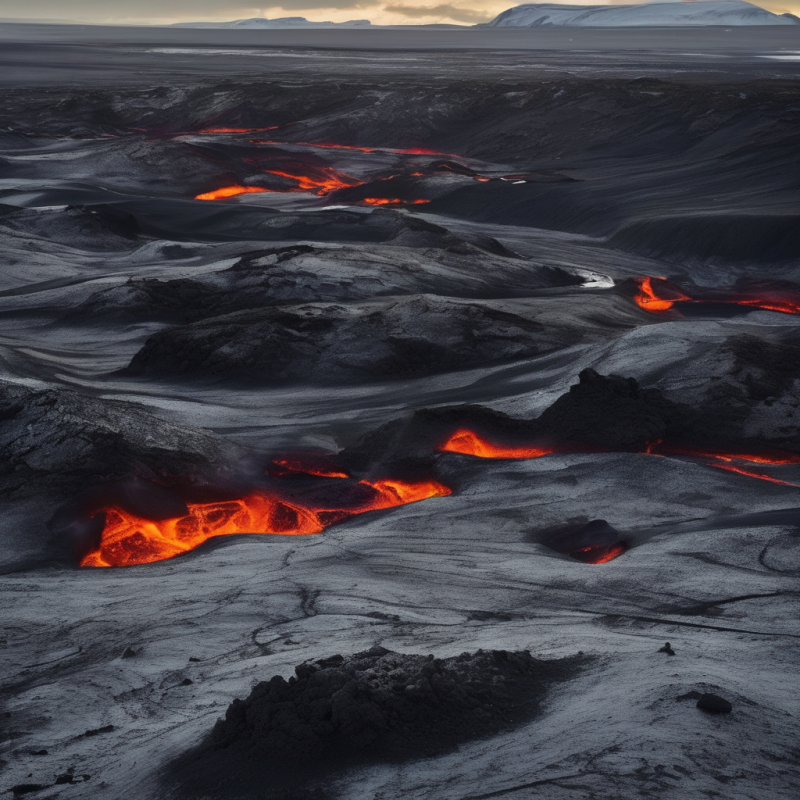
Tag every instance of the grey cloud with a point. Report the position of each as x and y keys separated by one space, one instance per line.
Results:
x=442 y=10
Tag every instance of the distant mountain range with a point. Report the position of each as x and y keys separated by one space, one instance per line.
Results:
x=656 y=15
x=271 y=24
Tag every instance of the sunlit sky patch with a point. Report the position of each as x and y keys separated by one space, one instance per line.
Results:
x=380 y=12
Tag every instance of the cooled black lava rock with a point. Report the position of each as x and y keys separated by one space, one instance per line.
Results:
x=612 y=413
x=338 y=342
x=714 y=704
x=64 y=441
x=386 y=705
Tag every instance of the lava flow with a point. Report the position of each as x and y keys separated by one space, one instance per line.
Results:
x=229 y=191
x=727 y=461
x=127 y=539
x=238 y=130
x=658 y=295
x=469 y=443
x=391 y=201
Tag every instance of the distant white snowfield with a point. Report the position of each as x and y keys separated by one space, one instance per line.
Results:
x=670 y=14
x=282 y=22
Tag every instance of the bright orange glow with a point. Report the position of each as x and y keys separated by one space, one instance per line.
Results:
x=317 y=180
x=238 y=130
x=229 y=191
x=775 y=457
x=128 y=540
x=390 y=201
x=657 y=295
x=723 y=460
x=599 y=553
x=469 y=443
x=751 y=474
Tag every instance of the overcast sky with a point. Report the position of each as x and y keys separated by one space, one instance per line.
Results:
x=379 y=11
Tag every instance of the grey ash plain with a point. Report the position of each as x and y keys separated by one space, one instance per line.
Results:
x=153 y=345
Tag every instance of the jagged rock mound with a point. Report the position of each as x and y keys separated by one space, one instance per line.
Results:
x=612 y=413
x=384 y=704
x=64 y=440
x=333 y=343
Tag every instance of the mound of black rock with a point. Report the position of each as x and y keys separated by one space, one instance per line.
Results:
x=386 y=705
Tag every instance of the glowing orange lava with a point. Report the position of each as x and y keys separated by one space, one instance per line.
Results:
x=599 y=553
x=469 y=443
x=239 y=130
x=391 y=201
x=229 y=191
x=658 y=295
x=774 y=457
x=316 y=180
x=726 y=461
x=127 y=539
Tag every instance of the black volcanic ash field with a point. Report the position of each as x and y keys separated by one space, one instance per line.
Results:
x=399 y=258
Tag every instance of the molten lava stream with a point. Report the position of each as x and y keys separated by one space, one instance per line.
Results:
x=229 y=191
x=723 y=460
x=127 y=539
x=316 y=180
x=391 y=201
x=657 y=295
x=238 y=130
x=469 y=443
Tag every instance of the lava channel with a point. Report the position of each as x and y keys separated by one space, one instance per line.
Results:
x=128 y=539
x=658 y=296
x=229 y=191
x=728 y=461
x=470 y=443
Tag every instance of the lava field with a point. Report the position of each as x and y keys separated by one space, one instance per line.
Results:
x=368 y=424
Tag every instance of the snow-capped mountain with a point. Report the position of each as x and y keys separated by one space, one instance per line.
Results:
x=689 y=12
x=282 y=22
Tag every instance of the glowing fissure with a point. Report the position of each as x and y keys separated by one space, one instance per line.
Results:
x=238 y=130
x=658 y=296
x=127 y=539
x=391 y=201
x=229 y=191
x=469 y=443
x=599 y=553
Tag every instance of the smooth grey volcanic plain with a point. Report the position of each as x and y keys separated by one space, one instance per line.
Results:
x=463 y=251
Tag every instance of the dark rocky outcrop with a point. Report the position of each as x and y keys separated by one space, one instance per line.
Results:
x=389 y=704
x=67 y=442
x=335 y=343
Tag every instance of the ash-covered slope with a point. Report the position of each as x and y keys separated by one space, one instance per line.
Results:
x=670 y=14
